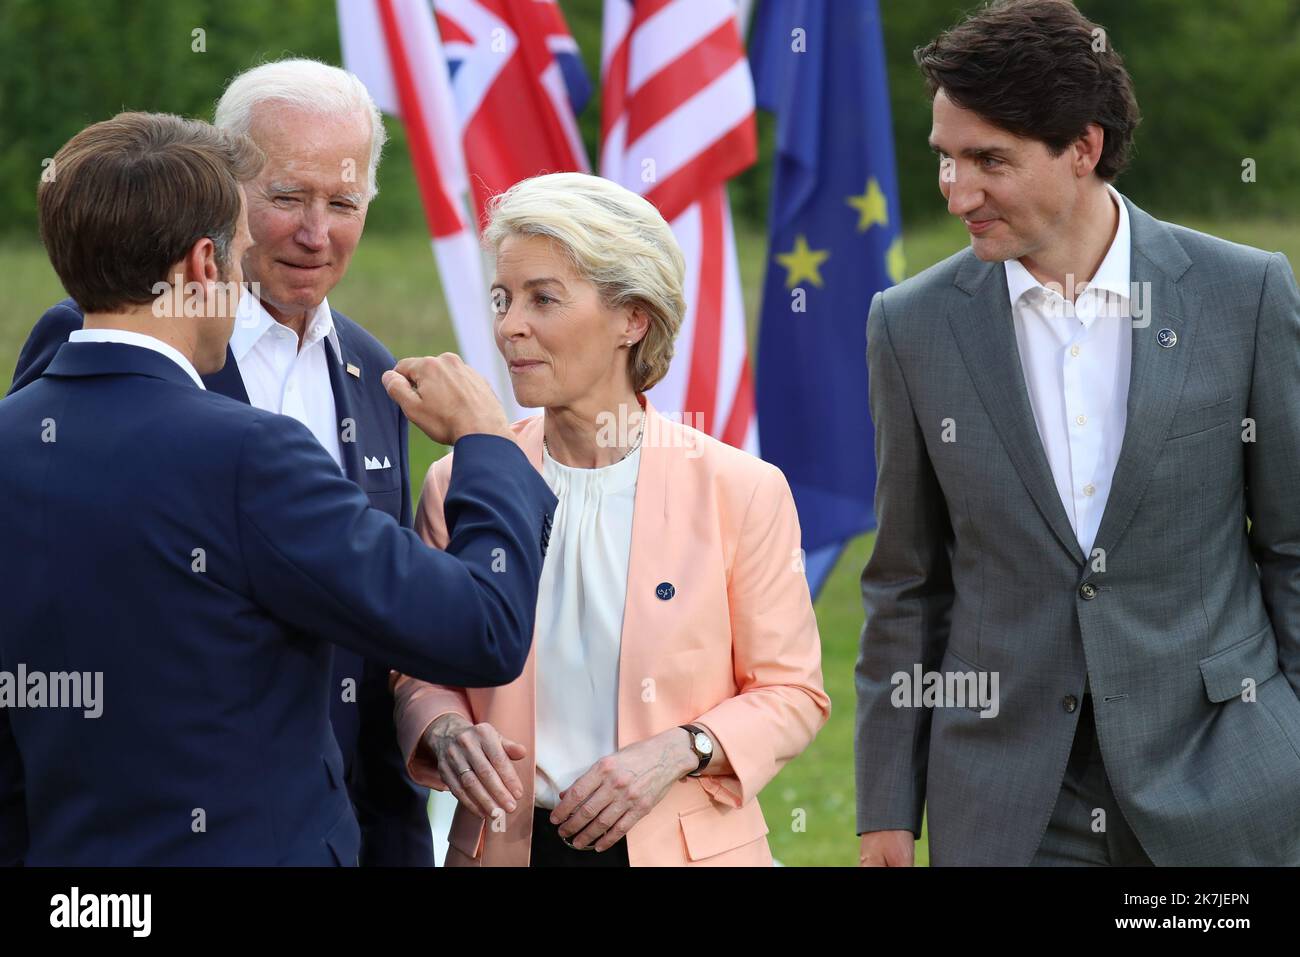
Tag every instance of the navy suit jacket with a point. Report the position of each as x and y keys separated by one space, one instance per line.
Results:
x=391 y=812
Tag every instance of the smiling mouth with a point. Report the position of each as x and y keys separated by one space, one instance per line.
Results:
x=283 y=262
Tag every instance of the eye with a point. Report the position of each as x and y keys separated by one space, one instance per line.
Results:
x=285 y=199
x=542 y=299
x=989 y=162
x=343 y=205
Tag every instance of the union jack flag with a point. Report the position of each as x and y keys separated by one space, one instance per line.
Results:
x=519 y=84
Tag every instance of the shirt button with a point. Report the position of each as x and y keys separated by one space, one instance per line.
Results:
x=1087 y=591
x=1074 y=351
x=1081 y=419
x=1089 y=489
x=1069 y=703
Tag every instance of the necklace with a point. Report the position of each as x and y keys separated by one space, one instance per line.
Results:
x=635 y=445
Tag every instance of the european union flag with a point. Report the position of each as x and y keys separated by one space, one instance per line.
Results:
x=835 y=241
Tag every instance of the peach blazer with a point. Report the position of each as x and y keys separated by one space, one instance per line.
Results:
x=735 y=648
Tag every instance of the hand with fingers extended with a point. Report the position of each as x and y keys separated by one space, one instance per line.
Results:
x=475 y=762
x=445 y=398
x=603 y=804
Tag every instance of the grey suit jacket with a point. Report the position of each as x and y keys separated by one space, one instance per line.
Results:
x=1186 y=624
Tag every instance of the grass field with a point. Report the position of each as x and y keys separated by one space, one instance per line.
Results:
x=392 y=289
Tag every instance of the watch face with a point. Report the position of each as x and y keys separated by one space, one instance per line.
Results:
x=703 y=743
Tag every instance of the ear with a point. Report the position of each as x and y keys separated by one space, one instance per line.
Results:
x=200 y=263
x=636 y=324
x=1087 y=150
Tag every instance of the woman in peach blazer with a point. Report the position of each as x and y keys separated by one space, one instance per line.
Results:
x=718 y=633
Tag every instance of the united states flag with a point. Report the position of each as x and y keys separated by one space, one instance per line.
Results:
x=677 y=122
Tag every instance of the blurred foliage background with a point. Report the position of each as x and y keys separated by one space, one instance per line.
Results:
x=1216 y=80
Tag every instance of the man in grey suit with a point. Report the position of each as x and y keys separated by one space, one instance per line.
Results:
x=1082 y=642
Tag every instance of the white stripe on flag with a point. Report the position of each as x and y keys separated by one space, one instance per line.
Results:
x=670 y=33
x=460 y=263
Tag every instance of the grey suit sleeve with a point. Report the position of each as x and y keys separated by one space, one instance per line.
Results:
x=907 y=595
x=1273 y=460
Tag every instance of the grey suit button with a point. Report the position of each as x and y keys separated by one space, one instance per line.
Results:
x=1069 y=703
x=1087 y=591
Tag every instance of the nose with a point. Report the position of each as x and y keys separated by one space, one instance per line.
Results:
x=512 y=324
x=964 y=195
x=313 y=231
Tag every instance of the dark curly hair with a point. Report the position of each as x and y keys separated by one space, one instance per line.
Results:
x=1034 y=68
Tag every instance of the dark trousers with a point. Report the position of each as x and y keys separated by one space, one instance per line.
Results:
x=549 y=849
x=1087 y=826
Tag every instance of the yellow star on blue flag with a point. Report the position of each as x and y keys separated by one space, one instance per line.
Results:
x=871 y=205
x=803 y=263
x=895 y=264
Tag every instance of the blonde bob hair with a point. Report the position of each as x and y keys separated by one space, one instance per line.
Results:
x=614 y=239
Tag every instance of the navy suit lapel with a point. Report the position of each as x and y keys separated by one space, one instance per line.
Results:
x=228 y=381
x=345 y=406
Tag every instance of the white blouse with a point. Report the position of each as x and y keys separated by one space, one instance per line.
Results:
x=580 y=620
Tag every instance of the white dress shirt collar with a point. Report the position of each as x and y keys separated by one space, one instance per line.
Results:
x=1112 y=275
x=128 y=338
x=252 y=322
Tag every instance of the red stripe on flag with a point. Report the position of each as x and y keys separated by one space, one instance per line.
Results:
x=725 y=157
x=439 y=211
x=549 y=18
x=614 y=89
x=742 y=407
x=449 y=30
x=702 y=380
x=614 y=83
x=682 y=79
x=500 y=148
x=645 y=9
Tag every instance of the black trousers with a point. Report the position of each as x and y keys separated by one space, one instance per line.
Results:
x=549 y=849
x=1087 y=826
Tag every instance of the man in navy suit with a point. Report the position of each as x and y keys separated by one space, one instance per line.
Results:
x=196 y=560
x=292 y=353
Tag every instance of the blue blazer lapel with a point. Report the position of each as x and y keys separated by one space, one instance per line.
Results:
x=345 y=407
x=228 y=381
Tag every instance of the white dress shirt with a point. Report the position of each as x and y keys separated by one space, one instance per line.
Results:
x=580 y=604
x=282 y=378
x=1076 y=360
x=138 y=339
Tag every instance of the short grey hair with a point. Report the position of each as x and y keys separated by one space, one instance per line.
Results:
x=616 y=240
x=307 y=85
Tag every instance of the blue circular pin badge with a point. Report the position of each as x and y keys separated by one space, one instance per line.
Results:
x=1167 y=338
x=665 y=590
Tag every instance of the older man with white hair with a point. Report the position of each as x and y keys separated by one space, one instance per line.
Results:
x=292 y=354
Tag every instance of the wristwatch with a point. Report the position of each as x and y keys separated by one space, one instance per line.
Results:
x=702 y=745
